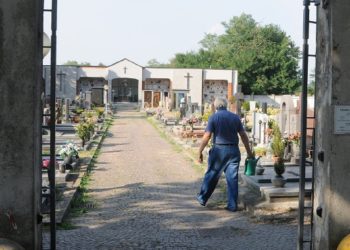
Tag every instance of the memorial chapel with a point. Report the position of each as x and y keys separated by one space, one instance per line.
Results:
x=127 y=81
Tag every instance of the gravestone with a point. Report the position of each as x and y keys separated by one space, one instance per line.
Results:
x=189 y=107
x=259 y=128
x=87 y=101
x=252 y=105
x=97 y=96
x=289 y=116
x=214 y=89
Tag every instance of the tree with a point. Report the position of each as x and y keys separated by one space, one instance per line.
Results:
x=265 y=57
x=71 y=63
x=154 y=63
x=76 y=63
x=85 y=64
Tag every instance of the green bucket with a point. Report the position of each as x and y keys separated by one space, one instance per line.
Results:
x=250 y=166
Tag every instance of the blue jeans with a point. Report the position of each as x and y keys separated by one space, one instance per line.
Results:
x=222 y=158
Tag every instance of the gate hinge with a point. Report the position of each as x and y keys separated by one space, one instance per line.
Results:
x=39 y=218
x=325 y=4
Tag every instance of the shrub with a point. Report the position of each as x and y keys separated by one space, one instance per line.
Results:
x=99 y=111
x=272 y=111
x=84 y=130
x=277 y=144
x=260 y=151
x=232 y=99
x=246 y=106
x=78 y=111
x=206 y=116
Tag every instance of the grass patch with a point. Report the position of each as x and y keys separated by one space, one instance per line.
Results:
x=66 y=226
x=191 y=153
x=163 y=135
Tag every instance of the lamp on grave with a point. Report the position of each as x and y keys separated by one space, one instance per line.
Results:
x=264 y=128
x=260 y=122
x=46 y=44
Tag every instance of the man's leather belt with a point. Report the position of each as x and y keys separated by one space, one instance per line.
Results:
x=229 y=144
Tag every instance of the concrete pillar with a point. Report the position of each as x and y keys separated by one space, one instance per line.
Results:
x=332 y=170
x=20 y=121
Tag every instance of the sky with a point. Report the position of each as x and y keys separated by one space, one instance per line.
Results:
x=106 y=31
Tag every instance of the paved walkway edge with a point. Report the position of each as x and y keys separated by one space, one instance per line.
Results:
x=70 y=193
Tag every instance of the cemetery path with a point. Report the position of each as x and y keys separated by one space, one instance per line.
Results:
x=145 y=195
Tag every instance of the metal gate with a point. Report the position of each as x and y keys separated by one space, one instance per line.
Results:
x=304 y=118
x=48 y=193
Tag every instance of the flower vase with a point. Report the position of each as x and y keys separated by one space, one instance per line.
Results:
x=296 y=153
x=278 y=181
x=67 y=159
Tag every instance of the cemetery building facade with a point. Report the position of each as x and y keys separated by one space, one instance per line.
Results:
x=126 y=81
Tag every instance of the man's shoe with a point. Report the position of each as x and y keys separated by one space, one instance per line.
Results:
x=200 y=201
x=231 y=209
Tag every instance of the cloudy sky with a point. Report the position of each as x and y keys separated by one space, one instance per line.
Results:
x=108 y=30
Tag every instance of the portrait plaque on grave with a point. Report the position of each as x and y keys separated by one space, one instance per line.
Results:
x=341 y=119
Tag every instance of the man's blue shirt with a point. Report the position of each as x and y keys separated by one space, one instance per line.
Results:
x=225 y=126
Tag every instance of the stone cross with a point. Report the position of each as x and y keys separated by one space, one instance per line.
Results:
x=188 y=76
x=125 y=68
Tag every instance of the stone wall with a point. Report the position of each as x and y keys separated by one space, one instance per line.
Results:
x=20 y=116
x=214 y=88
x=332 y=175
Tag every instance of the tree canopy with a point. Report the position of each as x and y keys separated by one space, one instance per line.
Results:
x=76 y=63
x=265 y=57
x=155 y=63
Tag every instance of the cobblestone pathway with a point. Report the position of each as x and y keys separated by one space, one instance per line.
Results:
x=145 y=192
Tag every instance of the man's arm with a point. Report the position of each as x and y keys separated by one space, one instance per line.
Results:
x=245 y=141
x=205 y=139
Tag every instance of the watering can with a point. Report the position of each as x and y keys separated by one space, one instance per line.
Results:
x=250 y=165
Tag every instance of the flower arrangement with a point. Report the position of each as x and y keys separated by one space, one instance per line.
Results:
x=270 y=125
x=69 y=150
x=177 y=115
x=295 y=138
x=278 y=145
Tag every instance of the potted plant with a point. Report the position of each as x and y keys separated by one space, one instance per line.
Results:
x=277 y=147
x=270 y=124
x=277 y=144
x=278 y=180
